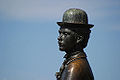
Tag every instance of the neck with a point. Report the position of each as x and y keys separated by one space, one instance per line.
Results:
x=71 y=51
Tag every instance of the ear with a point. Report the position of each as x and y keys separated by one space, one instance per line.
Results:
x=79 y=39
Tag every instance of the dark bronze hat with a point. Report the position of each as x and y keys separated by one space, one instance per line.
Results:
x=75 y=17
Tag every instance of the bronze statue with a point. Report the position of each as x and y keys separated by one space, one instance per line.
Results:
x=73 y=37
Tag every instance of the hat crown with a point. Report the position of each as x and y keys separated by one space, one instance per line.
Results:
x=76 y=16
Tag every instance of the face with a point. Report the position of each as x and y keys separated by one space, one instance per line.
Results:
x=66 y=39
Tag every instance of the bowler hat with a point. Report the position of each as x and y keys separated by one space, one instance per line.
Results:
x=76 y=18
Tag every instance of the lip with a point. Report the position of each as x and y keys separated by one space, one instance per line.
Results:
x=60 y=43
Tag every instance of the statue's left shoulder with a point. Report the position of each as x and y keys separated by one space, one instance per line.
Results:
x=79 y=69
x=77 y=64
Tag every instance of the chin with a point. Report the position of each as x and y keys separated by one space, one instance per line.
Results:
x=61 y=49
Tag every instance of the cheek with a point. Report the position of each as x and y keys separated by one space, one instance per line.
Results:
x=70 y=41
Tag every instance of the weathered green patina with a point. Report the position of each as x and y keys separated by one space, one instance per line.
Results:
x=75 y=17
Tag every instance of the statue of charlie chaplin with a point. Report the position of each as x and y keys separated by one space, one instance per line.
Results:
x=73 y=37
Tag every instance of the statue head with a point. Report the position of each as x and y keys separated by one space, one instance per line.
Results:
x=74 y=30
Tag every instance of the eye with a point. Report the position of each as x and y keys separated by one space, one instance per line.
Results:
x=66 y=33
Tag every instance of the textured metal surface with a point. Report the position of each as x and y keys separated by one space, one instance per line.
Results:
x=73 y=38
x=75 y=17
x=76 y=68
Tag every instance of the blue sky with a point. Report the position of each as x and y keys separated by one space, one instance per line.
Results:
x=28 y=38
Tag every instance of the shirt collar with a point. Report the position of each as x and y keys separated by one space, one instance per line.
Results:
x=75 y=54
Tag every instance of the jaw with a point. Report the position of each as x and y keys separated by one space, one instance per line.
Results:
x=66 y=49
x=61 y=48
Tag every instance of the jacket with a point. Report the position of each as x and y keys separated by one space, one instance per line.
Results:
x=75 y=67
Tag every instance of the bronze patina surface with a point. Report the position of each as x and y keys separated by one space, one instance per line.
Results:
x=73 y=37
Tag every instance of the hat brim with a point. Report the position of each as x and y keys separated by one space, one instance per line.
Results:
x=62 y=24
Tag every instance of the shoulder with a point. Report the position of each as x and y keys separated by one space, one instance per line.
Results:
x=74 y=70
x=77 y=65
x=80 y=69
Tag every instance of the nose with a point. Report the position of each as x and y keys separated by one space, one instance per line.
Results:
x=60 y=37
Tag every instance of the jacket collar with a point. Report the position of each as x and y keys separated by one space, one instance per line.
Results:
x=75 y=55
